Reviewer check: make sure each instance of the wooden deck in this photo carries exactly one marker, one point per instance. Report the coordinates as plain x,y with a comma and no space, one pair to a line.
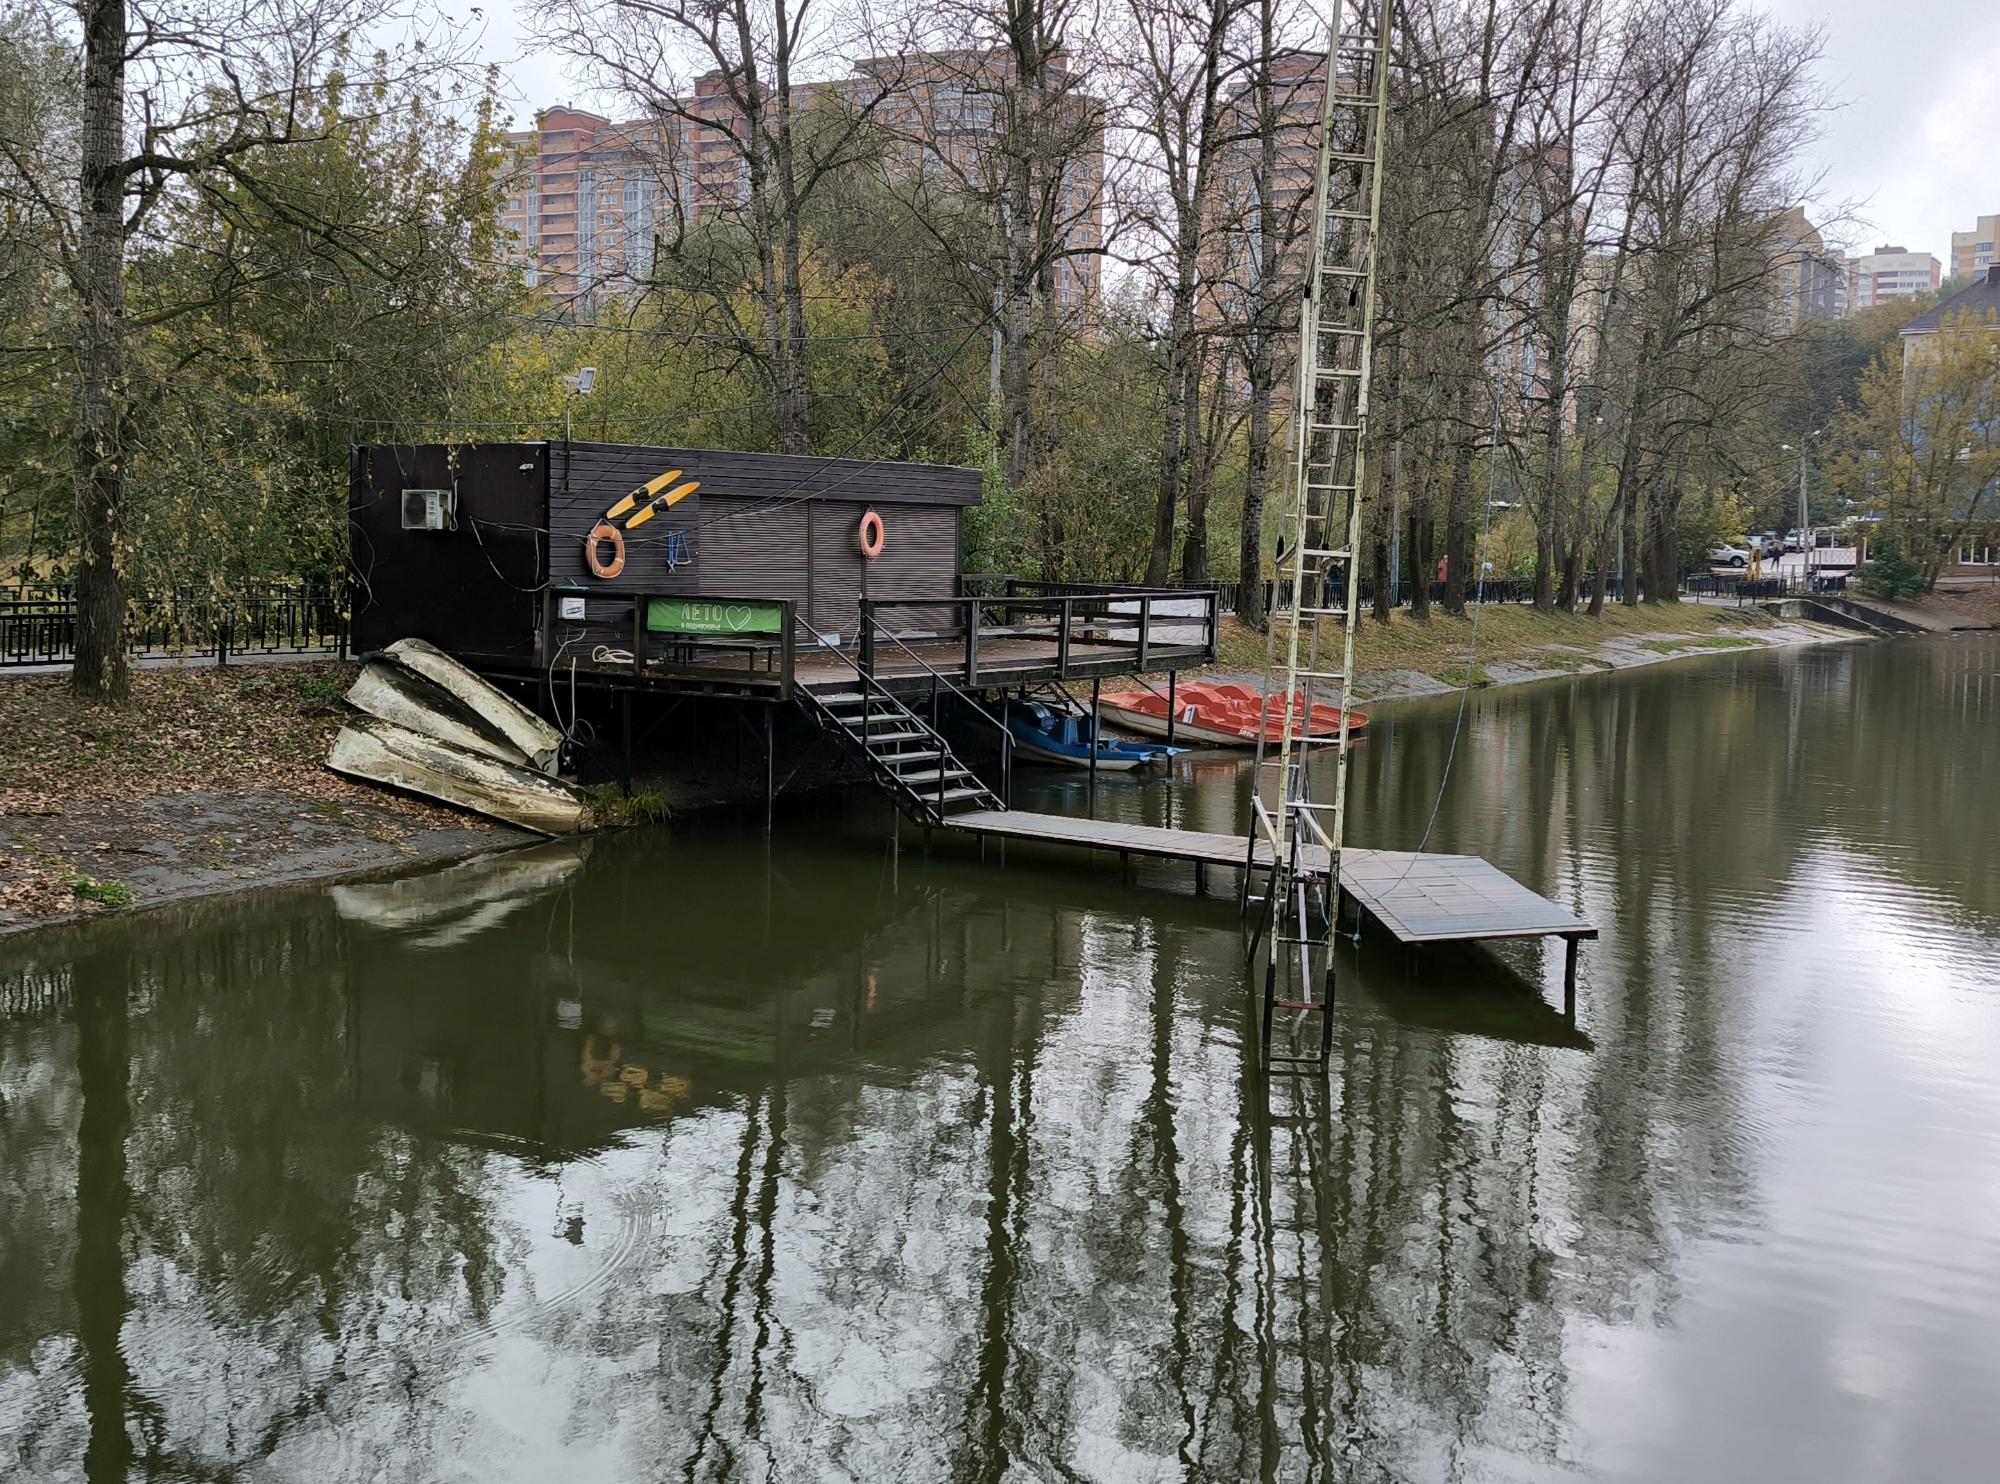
1419,898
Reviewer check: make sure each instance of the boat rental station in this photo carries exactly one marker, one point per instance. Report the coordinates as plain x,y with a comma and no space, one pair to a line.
829,594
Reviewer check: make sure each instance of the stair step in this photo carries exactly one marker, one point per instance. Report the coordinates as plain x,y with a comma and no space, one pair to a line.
839,698
953,795
897,759
913,779
879,737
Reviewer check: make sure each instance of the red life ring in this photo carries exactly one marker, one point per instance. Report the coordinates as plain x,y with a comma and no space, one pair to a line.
871,535
600,533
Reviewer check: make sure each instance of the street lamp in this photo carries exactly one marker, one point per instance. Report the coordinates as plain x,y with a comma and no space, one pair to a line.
1805,523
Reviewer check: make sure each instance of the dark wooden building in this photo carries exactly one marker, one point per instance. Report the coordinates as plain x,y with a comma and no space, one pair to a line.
486,549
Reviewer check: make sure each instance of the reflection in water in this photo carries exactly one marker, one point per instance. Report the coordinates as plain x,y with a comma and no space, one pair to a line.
698,1158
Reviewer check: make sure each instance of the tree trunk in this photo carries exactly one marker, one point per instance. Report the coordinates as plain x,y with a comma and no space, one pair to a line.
1572,571
1173,444
1378,571
1457,543
795,397
1553,477
1017,215
1250,538
1663,544
1421,530
1194,550
1628,517
1612,519
97,447
771,306
1263,363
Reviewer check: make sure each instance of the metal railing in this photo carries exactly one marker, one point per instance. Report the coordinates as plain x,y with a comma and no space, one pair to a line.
865,668
873,692
38,624
1120,623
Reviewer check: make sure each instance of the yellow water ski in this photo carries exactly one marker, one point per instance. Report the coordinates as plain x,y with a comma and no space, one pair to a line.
667,501
645,491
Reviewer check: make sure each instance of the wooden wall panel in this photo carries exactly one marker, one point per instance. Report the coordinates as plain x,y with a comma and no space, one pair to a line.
587,479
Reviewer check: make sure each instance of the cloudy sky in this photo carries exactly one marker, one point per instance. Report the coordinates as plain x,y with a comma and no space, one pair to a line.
1913,155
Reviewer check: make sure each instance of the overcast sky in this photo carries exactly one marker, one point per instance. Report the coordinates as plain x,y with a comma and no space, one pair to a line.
1914,154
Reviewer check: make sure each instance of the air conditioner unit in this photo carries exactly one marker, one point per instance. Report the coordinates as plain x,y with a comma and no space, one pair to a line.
430,510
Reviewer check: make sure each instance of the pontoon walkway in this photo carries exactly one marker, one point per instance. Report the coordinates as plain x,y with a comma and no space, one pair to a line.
1419,898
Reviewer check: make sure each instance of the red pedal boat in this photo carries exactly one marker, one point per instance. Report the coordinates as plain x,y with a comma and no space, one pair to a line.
1219,715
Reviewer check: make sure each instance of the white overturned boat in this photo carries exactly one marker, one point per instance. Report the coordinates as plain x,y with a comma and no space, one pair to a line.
430,726
382,752
528,734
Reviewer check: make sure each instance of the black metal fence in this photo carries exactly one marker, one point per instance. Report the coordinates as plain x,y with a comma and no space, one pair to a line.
38,624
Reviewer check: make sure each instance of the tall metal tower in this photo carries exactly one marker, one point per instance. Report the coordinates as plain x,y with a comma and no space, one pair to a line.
1299,813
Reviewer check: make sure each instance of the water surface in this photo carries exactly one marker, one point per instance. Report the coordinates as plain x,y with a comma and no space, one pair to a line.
689,1155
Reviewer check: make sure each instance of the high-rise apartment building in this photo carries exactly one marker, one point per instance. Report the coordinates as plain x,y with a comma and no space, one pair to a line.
588,198
1972,253
1808,280
1890,273
584,199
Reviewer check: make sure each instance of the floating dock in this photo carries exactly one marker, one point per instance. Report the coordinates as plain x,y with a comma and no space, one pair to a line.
1418,898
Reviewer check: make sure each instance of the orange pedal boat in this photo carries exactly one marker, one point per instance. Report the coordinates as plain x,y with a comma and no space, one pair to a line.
1227,714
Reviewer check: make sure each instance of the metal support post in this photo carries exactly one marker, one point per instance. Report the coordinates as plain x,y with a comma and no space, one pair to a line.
1096,722
625,732
770,769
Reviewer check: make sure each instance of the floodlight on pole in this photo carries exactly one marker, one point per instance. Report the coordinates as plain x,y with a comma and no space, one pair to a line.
581,383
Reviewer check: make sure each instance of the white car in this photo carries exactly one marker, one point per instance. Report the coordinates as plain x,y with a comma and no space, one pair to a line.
1728,556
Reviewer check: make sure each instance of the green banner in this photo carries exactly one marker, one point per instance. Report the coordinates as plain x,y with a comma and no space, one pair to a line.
697,616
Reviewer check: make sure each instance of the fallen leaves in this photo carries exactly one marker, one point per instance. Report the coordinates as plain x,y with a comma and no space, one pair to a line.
92,778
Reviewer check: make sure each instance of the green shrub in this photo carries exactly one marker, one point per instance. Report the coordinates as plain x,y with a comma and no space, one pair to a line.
1888,573
611,809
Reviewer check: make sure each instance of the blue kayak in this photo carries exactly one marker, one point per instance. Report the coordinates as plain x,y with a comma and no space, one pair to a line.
1063,738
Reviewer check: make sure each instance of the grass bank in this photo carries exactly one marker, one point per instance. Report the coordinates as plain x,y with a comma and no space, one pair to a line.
1505,643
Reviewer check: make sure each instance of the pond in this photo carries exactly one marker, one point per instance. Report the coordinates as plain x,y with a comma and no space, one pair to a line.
687,1154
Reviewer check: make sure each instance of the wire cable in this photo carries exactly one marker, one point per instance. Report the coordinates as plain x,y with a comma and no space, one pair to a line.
1471,670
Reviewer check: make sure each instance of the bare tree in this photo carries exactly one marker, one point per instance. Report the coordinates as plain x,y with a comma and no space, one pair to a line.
1010,120
1174,70
1274,194
744,116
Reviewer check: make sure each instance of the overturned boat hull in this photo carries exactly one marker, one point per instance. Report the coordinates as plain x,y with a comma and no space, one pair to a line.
379,751
392,694
529,735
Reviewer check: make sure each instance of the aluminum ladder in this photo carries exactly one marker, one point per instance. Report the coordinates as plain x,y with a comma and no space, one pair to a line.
1314,605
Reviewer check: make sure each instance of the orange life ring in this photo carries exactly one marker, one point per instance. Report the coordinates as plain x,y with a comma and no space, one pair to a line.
871,535
600,533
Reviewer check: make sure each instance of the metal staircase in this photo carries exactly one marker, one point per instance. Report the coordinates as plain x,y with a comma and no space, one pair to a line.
909,758
1314,606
